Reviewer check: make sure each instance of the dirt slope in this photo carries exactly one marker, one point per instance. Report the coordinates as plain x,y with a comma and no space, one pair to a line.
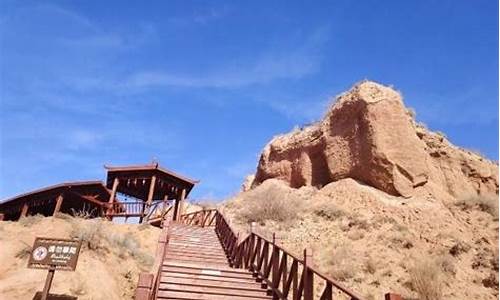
385,204
112,257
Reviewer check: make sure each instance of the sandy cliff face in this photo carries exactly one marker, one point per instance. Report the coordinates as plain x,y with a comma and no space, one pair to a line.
368,135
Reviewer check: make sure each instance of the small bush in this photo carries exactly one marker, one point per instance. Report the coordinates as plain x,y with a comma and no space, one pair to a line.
29,221
371,265
24,252
401,240
328,211
447,265
269,203
426,280
89,232
84,213
340,267
459,248
488,204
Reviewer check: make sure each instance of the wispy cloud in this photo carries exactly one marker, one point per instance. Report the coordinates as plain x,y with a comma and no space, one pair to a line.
436,108
301,61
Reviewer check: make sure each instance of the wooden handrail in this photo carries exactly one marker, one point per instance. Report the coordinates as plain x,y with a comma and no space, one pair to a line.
287,275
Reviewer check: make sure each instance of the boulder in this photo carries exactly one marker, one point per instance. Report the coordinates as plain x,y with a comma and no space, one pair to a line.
369,135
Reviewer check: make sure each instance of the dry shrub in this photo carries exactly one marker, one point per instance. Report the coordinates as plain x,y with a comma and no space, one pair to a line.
89,232
328,211
371,265
401,240
128,244
24,252
340,266
488,204
84,213
447,265
426,279
459,247
269,202
29,221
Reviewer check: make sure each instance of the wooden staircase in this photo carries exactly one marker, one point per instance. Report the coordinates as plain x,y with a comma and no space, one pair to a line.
199,256
195,266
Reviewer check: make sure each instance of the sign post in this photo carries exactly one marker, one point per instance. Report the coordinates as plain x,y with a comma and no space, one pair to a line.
54,254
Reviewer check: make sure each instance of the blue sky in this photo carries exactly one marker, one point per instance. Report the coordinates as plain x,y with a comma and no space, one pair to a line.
203,85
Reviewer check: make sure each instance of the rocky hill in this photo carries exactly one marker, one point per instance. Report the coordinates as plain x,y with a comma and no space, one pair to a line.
370,136
384,203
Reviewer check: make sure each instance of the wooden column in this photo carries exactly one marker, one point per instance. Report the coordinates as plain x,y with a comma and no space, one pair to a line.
178,203
112,197
59,202
151,190
145,208
24,210
182,204
2,216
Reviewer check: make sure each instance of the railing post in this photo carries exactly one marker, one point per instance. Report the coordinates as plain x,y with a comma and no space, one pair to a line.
275,267
392,296
308,277
144,286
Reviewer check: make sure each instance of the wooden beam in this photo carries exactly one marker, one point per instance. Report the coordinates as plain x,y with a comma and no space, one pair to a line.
178,203
59,202
151,190
113,191
112,197
182,205
24,210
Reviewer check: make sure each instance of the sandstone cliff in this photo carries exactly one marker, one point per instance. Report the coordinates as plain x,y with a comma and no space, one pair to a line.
370,136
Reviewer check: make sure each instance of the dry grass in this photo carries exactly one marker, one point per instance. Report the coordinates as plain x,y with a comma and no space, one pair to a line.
24,252
30,220
339,264
371,265
488,204
90,233
426,279
328,211
269,203
84,213
94,236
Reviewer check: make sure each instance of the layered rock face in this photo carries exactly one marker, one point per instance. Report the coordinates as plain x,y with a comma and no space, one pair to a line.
368,135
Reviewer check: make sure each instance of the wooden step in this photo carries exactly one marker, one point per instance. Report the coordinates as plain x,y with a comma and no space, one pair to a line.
205,272
243,280
185,295
259,293
251,286
173,255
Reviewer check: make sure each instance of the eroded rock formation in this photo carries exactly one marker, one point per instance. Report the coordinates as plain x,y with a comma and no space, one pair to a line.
368,135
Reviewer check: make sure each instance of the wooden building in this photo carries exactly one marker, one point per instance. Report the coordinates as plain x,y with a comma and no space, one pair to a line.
155,191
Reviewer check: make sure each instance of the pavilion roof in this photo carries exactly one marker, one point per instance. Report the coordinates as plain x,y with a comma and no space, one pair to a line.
145,172
84,187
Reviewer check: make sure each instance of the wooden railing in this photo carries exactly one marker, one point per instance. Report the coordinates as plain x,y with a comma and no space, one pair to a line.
288,276
202,218
149,283
126,209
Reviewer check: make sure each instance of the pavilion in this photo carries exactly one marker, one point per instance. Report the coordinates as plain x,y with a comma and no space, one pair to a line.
155,191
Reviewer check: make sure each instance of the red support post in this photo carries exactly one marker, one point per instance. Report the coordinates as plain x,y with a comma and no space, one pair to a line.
144,286
308,277
392,296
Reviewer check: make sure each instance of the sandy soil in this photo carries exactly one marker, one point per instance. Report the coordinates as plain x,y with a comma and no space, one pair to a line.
110,260
377,243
